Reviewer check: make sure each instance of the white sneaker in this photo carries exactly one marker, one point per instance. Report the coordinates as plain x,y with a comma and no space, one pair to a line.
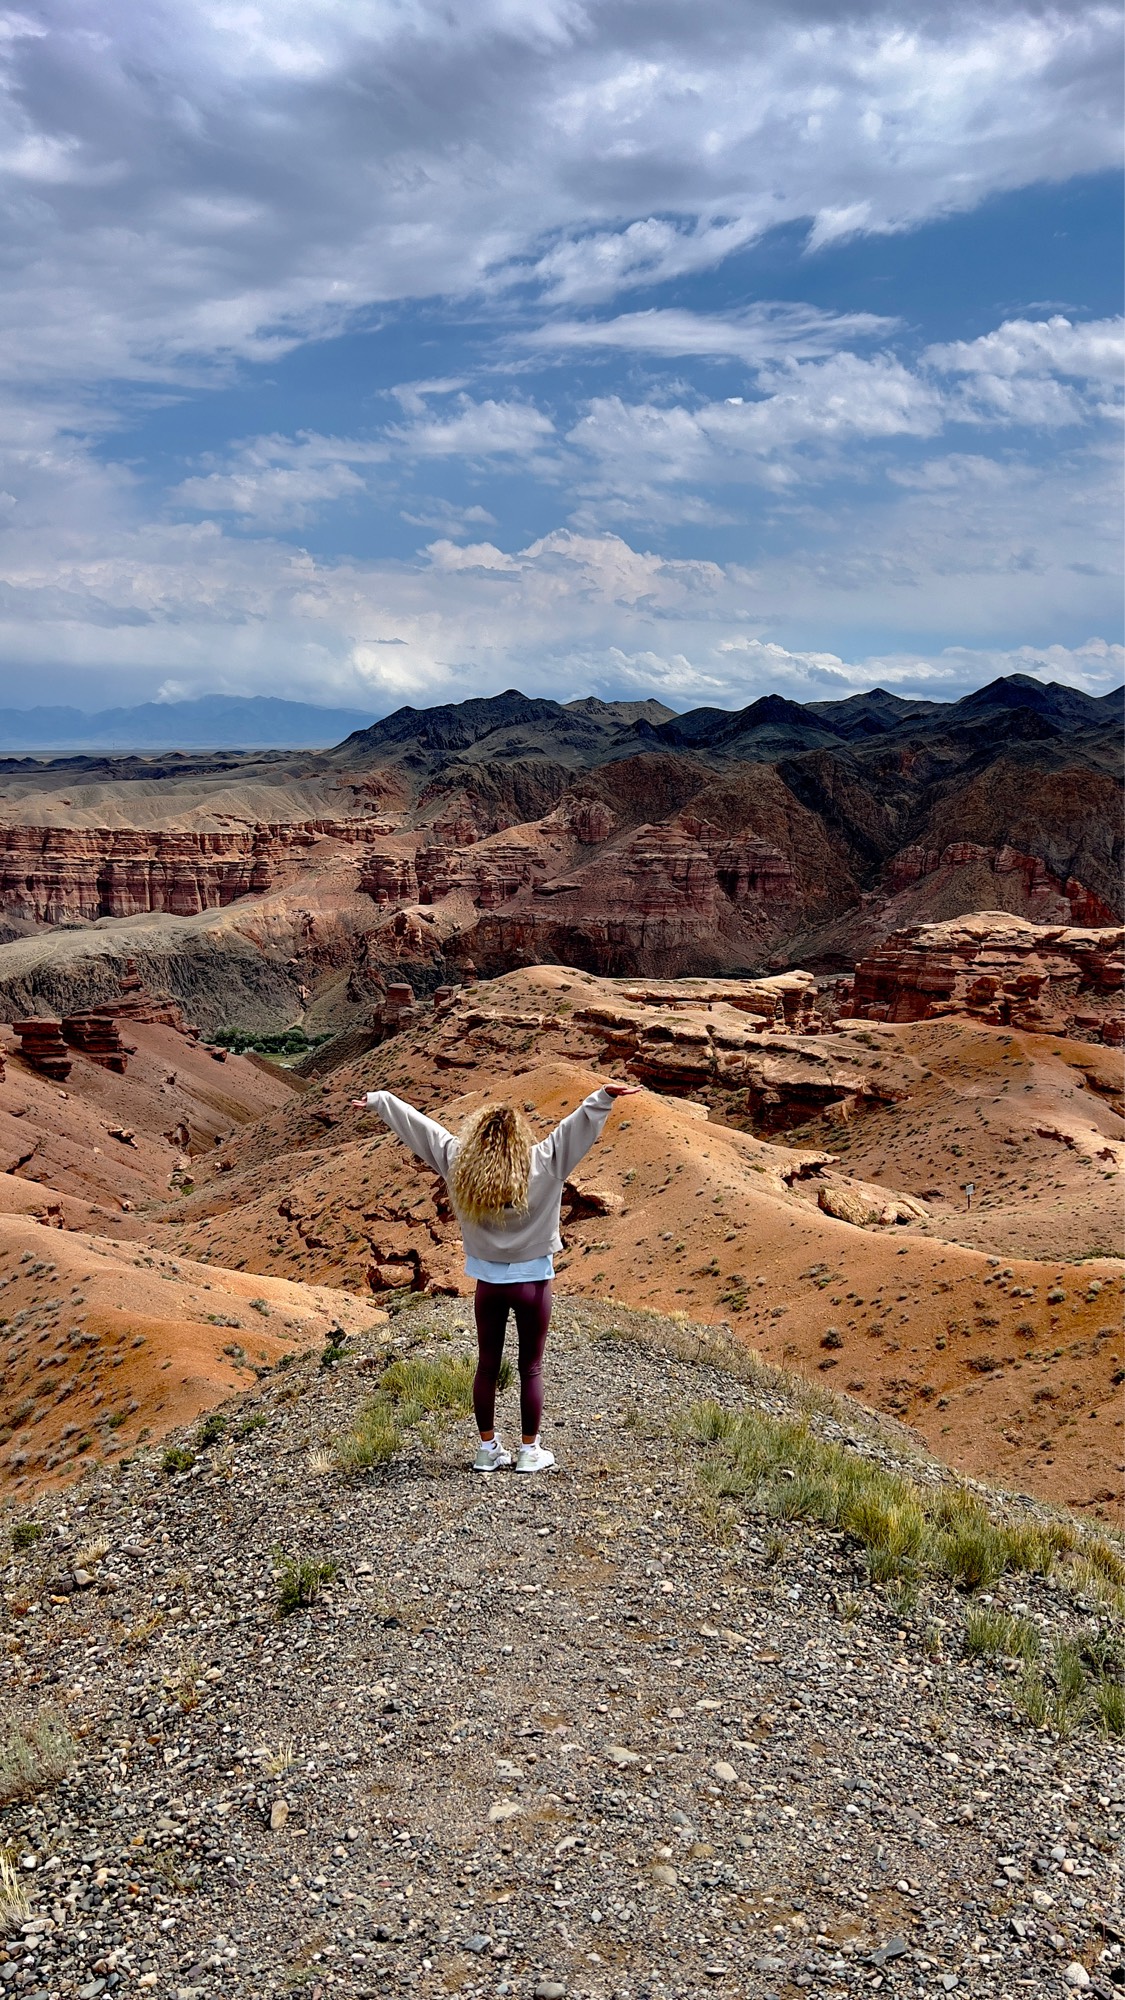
491,1456
533,1458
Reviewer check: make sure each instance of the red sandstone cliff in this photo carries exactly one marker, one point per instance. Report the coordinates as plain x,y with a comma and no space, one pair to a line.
57,875
1000,969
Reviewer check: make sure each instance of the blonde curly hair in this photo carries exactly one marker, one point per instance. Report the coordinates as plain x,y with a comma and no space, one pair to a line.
493,1162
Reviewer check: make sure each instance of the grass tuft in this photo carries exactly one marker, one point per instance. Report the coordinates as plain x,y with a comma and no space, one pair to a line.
411,1391
1109,1704
991,1635
177,1459
25,1534
780,1468
34,1756
14,1904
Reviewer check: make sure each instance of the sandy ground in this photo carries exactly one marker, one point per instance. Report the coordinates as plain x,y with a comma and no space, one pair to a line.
107,1345
105,1340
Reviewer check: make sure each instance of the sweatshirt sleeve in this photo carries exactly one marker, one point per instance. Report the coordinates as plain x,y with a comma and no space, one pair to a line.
566,1145
423,1135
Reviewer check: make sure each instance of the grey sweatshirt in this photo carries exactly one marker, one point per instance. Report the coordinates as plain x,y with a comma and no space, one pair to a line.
529,1233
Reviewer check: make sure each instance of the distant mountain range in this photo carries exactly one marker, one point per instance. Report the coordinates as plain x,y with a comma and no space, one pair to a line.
575,732
589,732
213,722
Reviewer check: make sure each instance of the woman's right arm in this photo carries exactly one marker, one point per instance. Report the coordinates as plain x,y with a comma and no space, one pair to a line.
425,1137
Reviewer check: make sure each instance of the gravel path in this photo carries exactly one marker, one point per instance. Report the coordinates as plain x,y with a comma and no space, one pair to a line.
585,1734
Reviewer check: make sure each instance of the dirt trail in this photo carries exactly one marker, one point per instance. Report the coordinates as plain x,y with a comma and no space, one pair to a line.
593,1734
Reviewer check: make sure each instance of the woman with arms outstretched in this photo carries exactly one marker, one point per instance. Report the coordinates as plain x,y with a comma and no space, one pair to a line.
506,1192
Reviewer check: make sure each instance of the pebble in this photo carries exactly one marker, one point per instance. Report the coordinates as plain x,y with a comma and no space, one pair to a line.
1076,1975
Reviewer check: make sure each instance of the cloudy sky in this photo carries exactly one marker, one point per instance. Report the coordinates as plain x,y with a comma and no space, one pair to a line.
378,350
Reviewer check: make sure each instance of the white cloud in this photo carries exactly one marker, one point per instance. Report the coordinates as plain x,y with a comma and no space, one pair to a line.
766,332
1092,349
1095,666
130,604
208,181
584,268
280,482
1011,375
475,430
184,187
821,404
449,519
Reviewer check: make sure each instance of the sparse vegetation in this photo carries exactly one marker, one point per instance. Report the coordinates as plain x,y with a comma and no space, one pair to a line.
331,1354
300,1580
14,1905
1082,1681
780,1467
291,1042
411,1391
25,1534
176,1459
1109,1704
210,1430
34,1756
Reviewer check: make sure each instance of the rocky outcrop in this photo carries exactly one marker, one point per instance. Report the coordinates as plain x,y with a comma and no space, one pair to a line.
999,969
867,1206
490,874
730,1043
1055,897
43,1048
662,898
389,878
99,1038
512,833
66,875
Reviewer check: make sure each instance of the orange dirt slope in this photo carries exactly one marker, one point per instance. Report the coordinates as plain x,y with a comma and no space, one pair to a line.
106,1344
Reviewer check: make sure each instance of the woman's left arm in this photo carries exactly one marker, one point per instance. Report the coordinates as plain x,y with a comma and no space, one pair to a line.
573,1138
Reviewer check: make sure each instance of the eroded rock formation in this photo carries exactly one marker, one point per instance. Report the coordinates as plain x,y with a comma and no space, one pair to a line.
1000,969
1040,885
61,875
613,838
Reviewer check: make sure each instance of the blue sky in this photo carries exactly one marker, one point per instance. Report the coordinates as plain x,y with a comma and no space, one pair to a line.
403,352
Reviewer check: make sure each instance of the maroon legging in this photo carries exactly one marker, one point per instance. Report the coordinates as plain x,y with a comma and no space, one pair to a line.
531,1303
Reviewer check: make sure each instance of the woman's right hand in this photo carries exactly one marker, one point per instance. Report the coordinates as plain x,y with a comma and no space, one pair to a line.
359,1103
621,1089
